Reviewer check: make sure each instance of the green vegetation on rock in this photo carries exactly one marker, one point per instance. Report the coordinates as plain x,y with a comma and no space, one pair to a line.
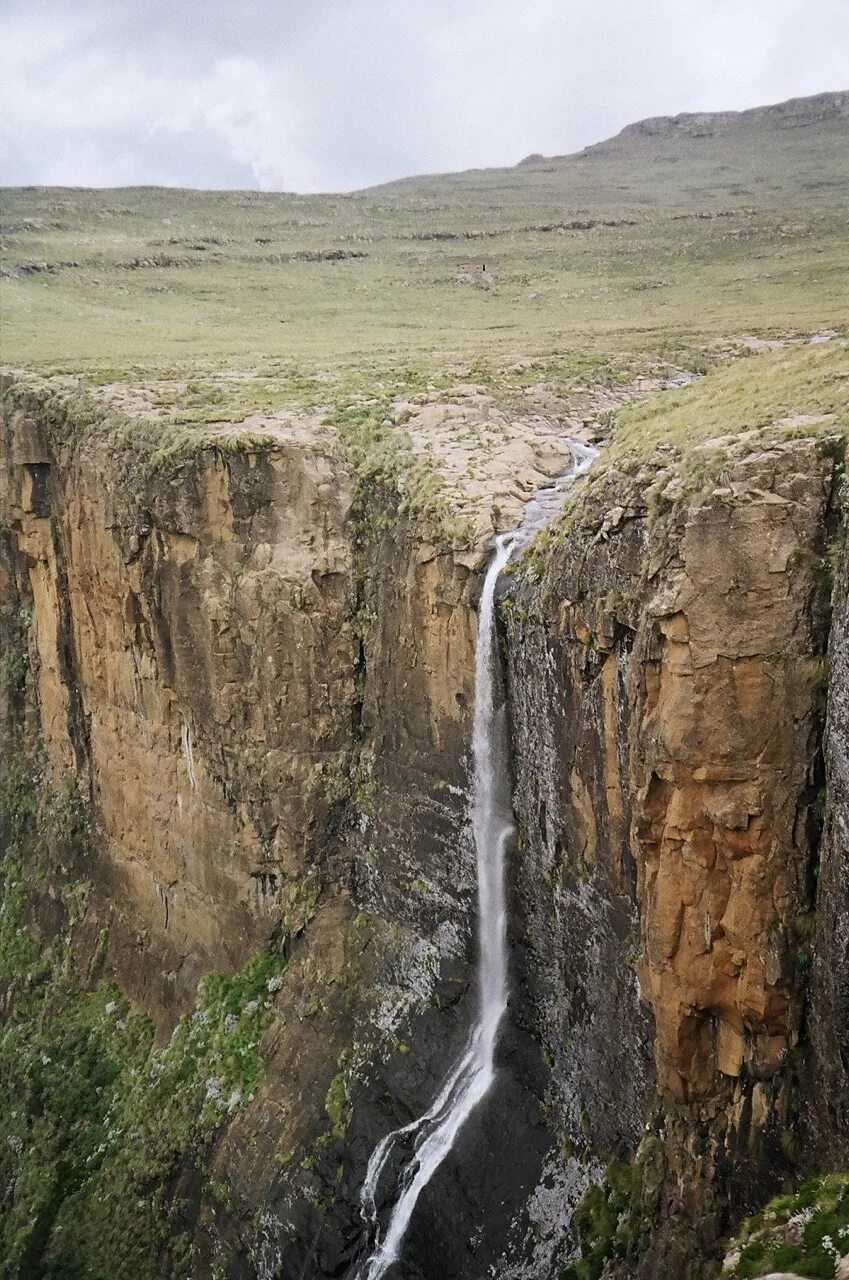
337,1107
391,480
805,1233
99,1128
602,1224
614,1216
71,416
14,662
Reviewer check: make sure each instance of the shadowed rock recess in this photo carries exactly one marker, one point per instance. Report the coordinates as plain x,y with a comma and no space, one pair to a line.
239,933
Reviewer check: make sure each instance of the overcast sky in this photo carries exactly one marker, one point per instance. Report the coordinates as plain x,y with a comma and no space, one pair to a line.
311,95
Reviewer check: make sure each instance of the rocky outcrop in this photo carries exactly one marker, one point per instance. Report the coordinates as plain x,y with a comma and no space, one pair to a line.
796,113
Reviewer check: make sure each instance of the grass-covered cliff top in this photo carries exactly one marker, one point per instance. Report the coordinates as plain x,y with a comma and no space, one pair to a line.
456,321
674,240
791,388
677,447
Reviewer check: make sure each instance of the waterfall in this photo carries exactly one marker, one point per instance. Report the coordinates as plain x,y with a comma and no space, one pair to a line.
435,1131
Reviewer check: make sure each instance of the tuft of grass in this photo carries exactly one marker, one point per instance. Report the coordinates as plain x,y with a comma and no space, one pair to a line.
807,1231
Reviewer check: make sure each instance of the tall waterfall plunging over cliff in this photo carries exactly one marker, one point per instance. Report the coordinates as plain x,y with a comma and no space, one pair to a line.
435,1131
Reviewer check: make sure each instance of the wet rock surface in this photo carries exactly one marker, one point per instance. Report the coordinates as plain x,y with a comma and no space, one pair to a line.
830,1003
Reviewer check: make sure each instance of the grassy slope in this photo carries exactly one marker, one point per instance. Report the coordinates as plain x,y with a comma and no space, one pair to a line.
553,306
796,389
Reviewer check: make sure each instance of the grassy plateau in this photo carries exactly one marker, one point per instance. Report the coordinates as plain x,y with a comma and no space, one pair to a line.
681,242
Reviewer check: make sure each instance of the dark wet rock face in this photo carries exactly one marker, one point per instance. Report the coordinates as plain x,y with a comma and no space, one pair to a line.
464,1218
830,993
575,916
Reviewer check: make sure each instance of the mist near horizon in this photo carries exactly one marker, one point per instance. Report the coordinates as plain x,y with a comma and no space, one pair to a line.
274,97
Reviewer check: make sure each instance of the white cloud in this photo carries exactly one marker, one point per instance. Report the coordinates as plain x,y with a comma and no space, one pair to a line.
339,94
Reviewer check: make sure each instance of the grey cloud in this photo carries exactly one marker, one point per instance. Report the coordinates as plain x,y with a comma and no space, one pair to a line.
335,94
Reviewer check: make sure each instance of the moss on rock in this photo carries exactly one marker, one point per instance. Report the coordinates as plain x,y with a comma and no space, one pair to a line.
805,1232
100,1128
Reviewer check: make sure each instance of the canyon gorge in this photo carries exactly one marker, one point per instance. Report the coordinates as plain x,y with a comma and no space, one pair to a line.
287,706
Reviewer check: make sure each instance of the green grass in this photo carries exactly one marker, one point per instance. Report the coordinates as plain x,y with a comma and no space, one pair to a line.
644,249
690,436
794,390
806,1232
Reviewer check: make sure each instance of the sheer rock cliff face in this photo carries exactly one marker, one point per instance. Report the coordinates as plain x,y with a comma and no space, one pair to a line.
830,998
268,700
664,700
195,663
270,705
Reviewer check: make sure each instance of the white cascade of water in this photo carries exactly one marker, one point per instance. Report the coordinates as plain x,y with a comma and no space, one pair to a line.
469,1080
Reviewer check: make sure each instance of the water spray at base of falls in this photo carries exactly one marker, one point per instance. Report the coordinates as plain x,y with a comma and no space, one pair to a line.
468,1082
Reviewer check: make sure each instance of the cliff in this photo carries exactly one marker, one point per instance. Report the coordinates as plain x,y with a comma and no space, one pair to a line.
252,672
830,1018
666,674
237,695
